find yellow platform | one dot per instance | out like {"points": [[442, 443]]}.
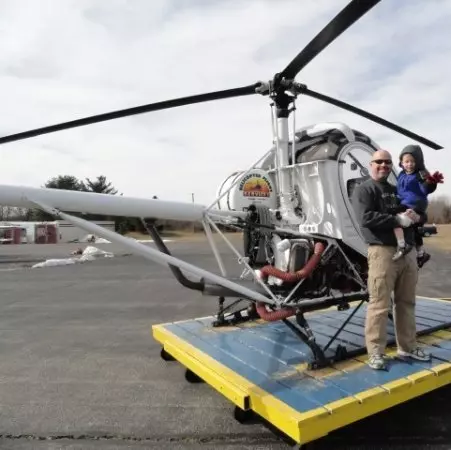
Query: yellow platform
{"points": [[263, 367]]}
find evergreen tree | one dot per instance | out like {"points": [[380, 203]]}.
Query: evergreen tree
{"points": [[100, 186], [67, 182]]}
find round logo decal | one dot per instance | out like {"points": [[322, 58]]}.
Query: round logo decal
{"points": [[254, 185]]}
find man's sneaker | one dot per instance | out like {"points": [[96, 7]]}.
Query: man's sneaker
{"points": [[423, 259], [401, 251], [377, 362], [417, 354]]}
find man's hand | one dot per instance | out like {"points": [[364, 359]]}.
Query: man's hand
{"points": [[411, 214], [404, 220]]}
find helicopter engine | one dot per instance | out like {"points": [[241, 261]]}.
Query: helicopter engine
{"points": [[314, 266]]}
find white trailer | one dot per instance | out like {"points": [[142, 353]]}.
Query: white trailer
{"points": [[67, 232]]}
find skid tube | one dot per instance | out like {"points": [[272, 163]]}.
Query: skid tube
{"points": [[321, 357], [302, 329]]}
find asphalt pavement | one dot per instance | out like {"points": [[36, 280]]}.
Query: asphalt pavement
{"points": [[80, 370]]}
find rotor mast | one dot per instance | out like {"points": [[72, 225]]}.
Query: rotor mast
{"points": [[277, 89]]}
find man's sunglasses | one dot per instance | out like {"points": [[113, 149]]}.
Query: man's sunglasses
{"points": [[380, 161]]}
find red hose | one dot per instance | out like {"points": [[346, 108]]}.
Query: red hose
{"points": [[272, 316], [300, 274]]}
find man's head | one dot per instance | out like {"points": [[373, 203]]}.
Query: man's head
{"points": [[381, 165]]}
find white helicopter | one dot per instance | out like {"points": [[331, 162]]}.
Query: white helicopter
{"points": [[302, 249]]}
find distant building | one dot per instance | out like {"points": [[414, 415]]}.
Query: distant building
{"points": [[10, 234], [28, 229], [48, 232]]}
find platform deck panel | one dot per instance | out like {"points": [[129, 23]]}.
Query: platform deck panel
{"points": [[263, 366]]}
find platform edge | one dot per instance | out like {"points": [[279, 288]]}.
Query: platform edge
{"points": [[377, 400], [308, 426], [229, 390], [276, 412]]}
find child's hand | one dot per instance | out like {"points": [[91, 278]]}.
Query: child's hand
{"points": [[438, 177], [435, 178]]}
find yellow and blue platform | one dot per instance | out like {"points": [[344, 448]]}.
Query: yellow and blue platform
{"points": [[262, 367]]}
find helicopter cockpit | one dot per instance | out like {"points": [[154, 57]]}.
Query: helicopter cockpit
{"points": [[331, 159]]}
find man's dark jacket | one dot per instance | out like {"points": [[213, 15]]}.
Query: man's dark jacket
{"points": [[376, 204]]}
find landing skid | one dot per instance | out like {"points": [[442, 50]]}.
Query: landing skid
{"points": [[300, 327]]}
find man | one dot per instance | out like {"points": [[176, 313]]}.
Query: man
{"points": [[377, 209]]}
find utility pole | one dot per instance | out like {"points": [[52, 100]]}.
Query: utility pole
{"points": [[194, 223]]}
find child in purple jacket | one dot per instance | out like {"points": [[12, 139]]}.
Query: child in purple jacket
{"points": [[414, 185]]}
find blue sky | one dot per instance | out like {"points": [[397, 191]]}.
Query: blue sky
{"points": [[62, 60]]}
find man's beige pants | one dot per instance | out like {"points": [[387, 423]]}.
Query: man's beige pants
{"points": [[384, 277]]}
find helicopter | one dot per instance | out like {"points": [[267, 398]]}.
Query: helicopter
{"points": [[302, 248]]}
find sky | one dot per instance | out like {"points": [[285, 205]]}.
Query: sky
{"points": [[67, 59]]}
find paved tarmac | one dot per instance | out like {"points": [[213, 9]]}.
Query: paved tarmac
{"points": [[80, 370]]}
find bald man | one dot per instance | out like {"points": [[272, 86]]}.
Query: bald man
{"points": [[378, 211]]}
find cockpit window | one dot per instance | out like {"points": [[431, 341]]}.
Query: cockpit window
{"points": [[355, 166], [317, 153]]}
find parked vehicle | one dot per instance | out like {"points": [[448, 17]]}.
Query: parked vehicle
{"points": [[428, 230]]}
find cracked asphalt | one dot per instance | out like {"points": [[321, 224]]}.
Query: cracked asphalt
{"points": [[80, 370]]}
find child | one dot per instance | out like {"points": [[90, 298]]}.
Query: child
{"points": [[414, 185]]}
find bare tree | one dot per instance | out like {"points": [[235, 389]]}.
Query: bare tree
{"points": [[439, 210]]}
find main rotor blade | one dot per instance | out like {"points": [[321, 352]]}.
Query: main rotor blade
{"points": [[343, 20], [237, 92], [370, 116]]}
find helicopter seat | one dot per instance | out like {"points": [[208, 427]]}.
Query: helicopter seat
{"points": [[353, 183]]}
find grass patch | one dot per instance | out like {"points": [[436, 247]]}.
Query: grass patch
{"points": [[441, 240]]}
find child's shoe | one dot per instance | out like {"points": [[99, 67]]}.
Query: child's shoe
{"points": [[423, 259], [401, 251]]}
